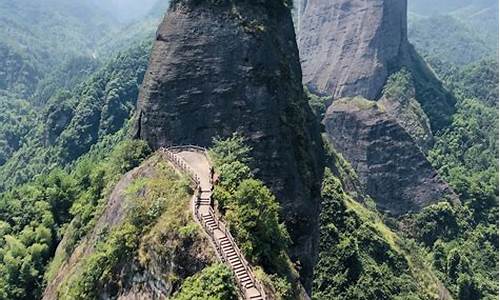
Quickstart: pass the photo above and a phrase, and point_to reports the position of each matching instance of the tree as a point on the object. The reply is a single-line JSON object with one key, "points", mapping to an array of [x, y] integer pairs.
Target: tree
{"points": [[253, 217], [468, 288], [213, 283]]}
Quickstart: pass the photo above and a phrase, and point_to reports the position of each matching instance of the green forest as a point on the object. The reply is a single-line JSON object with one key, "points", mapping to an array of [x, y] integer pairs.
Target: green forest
{"points": [[70, 76]]}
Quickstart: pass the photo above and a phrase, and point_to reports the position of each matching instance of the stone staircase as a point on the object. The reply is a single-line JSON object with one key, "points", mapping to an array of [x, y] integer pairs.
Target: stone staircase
{"points": [[194, 161]]}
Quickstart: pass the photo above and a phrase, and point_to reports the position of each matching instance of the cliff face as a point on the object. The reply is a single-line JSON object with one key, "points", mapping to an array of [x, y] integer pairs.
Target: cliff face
{"points": [[350, 47], [391, 168], [347, 46], [229, 67]]}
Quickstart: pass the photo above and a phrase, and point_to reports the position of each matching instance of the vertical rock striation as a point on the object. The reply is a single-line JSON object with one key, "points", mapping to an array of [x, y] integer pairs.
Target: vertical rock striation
{"points": [[358, 50], [220, 67], [347, 46], [350, 47]]}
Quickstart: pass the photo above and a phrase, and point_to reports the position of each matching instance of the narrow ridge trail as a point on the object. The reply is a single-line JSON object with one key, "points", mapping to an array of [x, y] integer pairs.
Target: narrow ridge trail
{"points": [[194, 161]]}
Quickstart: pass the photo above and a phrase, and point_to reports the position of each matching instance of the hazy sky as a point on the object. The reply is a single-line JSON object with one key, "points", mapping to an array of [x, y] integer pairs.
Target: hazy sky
{"points": [[444, 6], [126, 10]]}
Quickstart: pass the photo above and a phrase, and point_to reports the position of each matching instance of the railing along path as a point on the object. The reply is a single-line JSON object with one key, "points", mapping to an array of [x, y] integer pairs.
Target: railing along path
{"points": [[225, 245]]}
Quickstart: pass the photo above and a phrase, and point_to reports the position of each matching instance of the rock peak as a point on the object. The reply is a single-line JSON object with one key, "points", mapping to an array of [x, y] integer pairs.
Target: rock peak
{"points": [[217, 69], [355, 44], [350, 48]]}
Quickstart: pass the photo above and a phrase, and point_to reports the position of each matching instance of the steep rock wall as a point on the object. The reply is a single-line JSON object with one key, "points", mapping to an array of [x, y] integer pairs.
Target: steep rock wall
{"points": [[391, 168], [225, 67], [347, 45], [350, 47]]}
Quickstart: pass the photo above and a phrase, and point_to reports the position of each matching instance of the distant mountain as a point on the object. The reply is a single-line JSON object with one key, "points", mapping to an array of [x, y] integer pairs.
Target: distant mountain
{"points": [[473, 21], [449, 39], [36, 36], [137, 31], [126, 10], [432, 7]]}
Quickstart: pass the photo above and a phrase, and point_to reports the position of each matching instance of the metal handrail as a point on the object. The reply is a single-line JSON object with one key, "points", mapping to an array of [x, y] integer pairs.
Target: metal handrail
{"points": [[184, 166]]}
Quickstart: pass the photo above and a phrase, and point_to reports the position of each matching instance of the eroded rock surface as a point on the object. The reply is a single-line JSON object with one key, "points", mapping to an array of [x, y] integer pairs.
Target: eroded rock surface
{"points": [[390, 166], [347, 46], [226, 67], [350, 47], [399, 101]]}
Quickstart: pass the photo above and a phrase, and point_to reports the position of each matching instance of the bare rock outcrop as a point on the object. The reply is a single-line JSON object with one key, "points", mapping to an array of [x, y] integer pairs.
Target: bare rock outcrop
{"points": [[347, 45], [391, 168], [399, 101], [350, 47], [220, 67]]}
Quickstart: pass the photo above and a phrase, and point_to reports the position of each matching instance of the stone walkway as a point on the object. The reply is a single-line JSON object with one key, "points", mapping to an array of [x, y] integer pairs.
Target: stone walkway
{"points": [[194, 161]]}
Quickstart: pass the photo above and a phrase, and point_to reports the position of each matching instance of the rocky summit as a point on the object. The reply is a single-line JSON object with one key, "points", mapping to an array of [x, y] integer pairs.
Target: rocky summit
{"points": [[353, 45], [350, 48], [391, 168], [223, 67]]}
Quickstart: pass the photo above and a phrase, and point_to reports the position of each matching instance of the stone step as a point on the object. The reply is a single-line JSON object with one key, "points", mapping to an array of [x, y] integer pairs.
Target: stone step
{"points": [[230, 253], [227, 248], [244, 280], [227, 245], [212, 226], [234, 260], [249, 285]]}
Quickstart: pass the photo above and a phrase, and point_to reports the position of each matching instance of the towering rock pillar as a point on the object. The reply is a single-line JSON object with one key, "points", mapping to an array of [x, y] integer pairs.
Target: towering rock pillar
{"points": [[220, 67], [386, 101], [350, 48]]}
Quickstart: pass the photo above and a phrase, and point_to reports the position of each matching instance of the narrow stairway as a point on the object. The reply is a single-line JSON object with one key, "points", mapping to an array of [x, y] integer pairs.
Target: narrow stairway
{"points": [[193, 160]]}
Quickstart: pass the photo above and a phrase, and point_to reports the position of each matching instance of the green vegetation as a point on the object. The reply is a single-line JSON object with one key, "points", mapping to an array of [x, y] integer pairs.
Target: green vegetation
{"points": [[449, 40], [463, 255], [252, 213], [156, 207], [461, 242], [15, 122], [399, 101], [478, 80], [71, 122], [212, 283], [253, 216], [318, 104], [251, 210], [359, 258], [36, 37], [398, 84], [467, 156], [34, 216]]}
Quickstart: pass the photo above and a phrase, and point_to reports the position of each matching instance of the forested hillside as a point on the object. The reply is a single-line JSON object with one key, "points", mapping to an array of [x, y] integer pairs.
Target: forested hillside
{"points": [[88, 212], [73, 120], [38, 36], [454, 32]]}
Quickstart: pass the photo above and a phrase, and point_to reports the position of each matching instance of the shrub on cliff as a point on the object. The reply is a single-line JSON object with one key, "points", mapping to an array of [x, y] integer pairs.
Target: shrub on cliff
{"points": [[213, 283]]}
